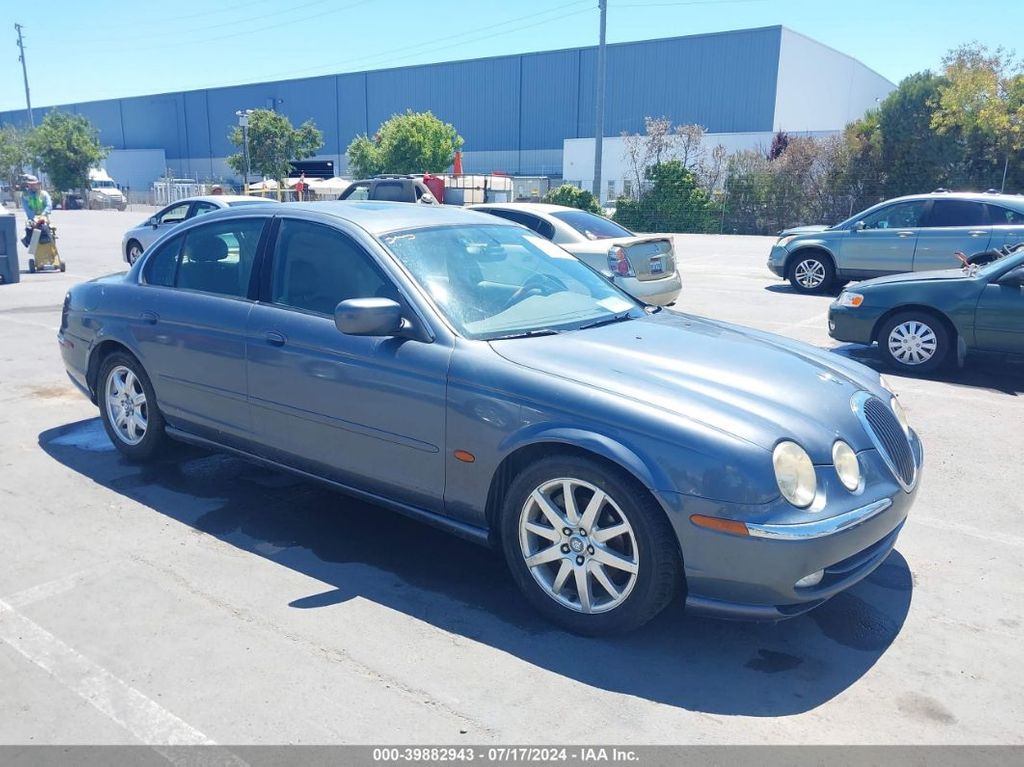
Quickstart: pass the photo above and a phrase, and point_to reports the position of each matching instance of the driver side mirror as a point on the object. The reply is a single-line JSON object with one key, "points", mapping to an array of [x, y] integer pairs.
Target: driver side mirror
{"points": [[1013, 278], [369, 317], [859, 226], [153, 222]]}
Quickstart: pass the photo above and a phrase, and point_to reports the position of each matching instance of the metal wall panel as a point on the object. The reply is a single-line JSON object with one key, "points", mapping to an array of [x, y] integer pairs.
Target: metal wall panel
{"points": [[549, 98], [351, 104], [725, 82]]}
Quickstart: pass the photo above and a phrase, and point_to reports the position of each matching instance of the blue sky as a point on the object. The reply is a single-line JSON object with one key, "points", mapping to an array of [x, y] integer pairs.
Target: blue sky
{"points": [[80, 50]]}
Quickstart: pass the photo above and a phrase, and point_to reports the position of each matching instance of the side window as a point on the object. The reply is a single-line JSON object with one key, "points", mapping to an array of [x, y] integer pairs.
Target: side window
{"points": [[162, 266], [539, 225], [174, 214], [202, 208], [902, 215], [956, 213], [218, 257], [316, 266], [357, 192], [393, 191], [1000, 216]]}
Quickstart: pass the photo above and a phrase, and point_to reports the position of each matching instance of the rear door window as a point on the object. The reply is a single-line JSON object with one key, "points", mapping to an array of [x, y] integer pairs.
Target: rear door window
{"points": [[956, 213], [539, 225]]}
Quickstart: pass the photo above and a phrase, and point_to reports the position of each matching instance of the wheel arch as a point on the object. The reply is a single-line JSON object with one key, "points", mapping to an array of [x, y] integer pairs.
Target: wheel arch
{"points": [[950, 326], [565, 442], [100, 352], [803, 250]]}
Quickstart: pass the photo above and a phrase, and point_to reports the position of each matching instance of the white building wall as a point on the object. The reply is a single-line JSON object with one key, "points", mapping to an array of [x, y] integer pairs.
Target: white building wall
{"points": [[819, 88]]}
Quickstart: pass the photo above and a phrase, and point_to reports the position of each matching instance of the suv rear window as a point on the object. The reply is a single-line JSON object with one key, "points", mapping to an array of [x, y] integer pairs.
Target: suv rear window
{"points": [[392, 191], [956, 213]]}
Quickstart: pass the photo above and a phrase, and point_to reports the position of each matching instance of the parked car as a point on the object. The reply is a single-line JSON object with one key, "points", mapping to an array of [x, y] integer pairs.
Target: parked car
{"points": [[922, 321], [393, 188], [103, 191], [140, 237], [907, 234], [643, 266], [463, 371]]}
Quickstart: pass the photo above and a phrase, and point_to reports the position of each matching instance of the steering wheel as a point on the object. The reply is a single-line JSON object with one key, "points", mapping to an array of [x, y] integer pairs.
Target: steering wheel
{"points": [[535, 284]]}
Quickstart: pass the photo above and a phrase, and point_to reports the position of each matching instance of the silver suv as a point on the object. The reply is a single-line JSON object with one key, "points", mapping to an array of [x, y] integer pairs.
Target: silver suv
{"points": [[906, 234]]}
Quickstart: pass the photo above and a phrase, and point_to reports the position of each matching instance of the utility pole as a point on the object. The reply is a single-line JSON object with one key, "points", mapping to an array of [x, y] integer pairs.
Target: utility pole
{"points": [[24, 72], [599, 102]]}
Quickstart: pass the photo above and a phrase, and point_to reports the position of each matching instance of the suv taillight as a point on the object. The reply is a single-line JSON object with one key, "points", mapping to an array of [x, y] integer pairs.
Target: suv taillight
{"points": [[618, 264]]}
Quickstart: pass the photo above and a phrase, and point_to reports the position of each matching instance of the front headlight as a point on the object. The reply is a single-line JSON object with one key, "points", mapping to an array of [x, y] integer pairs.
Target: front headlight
{"points": [[901, 415], [794, 473], [784, 241], [847, 465], [846, 298]]}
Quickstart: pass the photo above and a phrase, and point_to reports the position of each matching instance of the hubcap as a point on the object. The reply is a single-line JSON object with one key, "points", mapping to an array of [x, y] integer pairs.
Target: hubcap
{"points": [[578, 545], [133, 253], [126, 404], [810, 273], [912, 342]]}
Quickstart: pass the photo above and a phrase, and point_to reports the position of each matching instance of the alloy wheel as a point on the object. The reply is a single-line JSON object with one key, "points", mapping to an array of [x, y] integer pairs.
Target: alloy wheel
{"points": [[810, 273], [912, 342], [127, 409], [578, 545]]}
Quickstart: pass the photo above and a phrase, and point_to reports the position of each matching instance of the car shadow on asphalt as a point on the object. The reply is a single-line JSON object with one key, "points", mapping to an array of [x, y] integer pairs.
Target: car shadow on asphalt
{"points": [[362, 550], [994, 372], [786, 288]]}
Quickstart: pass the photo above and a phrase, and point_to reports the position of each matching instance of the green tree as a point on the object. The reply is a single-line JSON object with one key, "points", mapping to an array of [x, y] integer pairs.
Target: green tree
{"points": [[273, 144], [414, 142], [65, 146], [983, 98], [673, 202], [573, 197], [14, 154]]}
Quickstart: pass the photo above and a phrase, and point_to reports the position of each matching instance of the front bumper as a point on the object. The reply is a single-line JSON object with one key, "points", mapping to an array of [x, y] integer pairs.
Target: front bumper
{"points": [[777, 261], [853, 324], [754, 577]]}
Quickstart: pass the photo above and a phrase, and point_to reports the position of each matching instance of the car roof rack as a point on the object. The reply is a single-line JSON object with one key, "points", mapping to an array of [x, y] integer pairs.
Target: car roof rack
{"points": [[941, 190]]}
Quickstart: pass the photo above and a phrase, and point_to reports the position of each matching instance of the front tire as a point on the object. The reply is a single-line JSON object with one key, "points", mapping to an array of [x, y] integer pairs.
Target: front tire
{"points": [[812, 273], [588, 546], [31, 266], [914, 342], [133, 252], [128, 407]]}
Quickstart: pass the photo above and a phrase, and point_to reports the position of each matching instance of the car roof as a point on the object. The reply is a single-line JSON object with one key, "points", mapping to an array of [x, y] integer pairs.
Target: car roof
{"points": [[377, 217], [1015, 200], [528, 207], [226, 198]]}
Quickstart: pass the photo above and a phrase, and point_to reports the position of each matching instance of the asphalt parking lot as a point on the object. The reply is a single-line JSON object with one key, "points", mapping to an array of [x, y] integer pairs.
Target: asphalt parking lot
{"points": [[204, 599]]}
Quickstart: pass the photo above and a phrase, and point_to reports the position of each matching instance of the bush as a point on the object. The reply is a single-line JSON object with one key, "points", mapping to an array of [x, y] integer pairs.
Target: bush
{"points": [[673, 203], [573, 197]]}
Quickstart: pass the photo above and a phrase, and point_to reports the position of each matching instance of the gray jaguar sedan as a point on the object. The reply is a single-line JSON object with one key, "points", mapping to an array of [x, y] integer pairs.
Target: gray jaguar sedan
{"points": [[469, 373]]}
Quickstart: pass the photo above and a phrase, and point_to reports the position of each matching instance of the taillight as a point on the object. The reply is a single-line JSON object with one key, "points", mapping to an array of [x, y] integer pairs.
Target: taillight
{"points": [[618, 264], [64, 311]]}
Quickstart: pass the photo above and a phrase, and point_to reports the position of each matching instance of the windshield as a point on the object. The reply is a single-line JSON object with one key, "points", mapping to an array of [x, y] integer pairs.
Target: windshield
{"points": [[102, 184], [499, 281], [1013, 260], [591, 226]]}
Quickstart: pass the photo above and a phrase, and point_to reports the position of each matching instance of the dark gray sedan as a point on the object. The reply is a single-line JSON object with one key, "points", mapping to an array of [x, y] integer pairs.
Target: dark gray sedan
{"points": [[471, 374]]}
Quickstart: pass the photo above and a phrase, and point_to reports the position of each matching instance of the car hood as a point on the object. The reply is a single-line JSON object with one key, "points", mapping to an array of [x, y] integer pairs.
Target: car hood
{"points": [[755, 386], [932, 276], [803, 230]]}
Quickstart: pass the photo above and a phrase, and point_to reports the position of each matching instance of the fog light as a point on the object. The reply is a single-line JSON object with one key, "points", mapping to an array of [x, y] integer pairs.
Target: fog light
{"points": [[810, 580]]}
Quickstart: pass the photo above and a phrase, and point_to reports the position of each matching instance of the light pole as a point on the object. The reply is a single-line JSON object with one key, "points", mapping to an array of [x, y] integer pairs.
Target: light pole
{"points": [[243, 122], [599, 102]]}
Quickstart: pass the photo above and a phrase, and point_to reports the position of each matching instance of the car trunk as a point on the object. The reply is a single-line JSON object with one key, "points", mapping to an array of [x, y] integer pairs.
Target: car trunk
{"points": [[650, 257]]}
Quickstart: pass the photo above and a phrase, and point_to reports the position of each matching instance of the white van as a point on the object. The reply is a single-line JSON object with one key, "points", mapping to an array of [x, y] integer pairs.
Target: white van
{"points": [[103, 192]]}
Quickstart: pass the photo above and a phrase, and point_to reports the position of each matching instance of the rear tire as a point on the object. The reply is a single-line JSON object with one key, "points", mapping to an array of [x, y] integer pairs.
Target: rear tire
{"points": [[31, 266], [606, 563], [63, 266], [128, 407], [812, 273], [915, 342]]}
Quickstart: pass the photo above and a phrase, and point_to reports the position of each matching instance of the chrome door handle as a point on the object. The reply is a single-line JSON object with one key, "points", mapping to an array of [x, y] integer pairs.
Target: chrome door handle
{"points": [[150, 318], [274, 338], [976, 233], [905, 234]]}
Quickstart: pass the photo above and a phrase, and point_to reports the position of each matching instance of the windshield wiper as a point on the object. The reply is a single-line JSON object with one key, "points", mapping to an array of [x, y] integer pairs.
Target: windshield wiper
{"points": [[606, 321], [528, 334]]}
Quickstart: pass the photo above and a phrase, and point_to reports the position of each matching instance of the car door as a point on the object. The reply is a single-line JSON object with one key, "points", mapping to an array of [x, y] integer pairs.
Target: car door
{"points": [[999, 316], [1007, 226], [886, 242], [951, 225], [365, 411], [190, 326]]}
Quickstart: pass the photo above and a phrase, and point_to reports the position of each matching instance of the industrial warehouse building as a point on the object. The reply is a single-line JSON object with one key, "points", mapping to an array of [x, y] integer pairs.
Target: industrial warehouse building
{"points": [[526, 114]]}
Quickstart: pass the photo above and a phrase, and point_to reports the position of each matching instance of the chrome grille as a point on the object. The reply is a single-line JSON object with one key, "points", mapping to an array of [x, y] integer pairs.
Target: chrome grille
{"points": [[889, 438]]}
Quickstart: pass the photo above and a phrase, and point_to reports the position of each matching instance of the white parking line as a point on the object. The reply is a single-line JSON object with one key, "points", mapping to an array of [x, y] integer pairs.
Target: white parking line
{"points": [[145, 719], [51, 588]]}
